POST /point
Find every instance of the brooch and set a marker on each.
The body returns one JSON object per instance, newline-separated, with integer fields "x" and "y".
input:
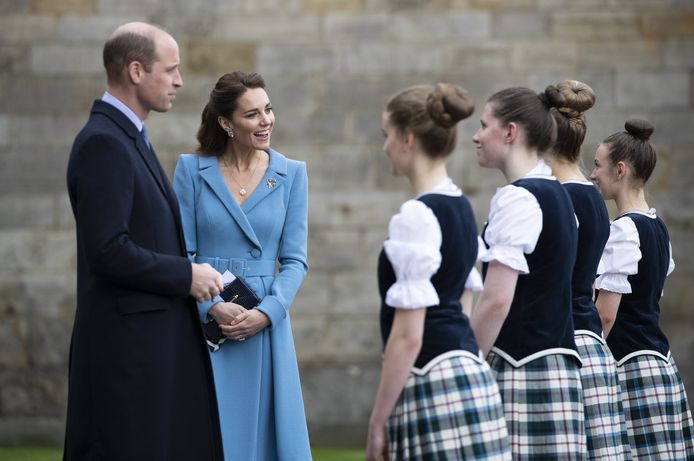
{"x": 272, "y": 182}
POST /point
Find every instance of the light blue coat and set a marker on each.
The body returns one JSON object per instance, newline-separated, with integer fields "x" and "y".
{"x": 264, "y": 241}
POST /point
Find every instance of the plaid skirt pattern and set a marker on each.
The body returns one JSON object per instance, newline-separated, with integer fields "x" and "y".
{"x": 606, "y": 430}
{"x": 453, "y": 412}
{"x": 659, "y": 421}
{"x": 543, "y": 404}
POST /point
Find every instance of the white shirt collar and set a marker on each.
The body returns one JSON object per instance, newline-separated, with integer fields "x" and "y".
{"x": 445, "y": 187}
{"x": 541, "y": 170}
{"x": 118, "y": 104}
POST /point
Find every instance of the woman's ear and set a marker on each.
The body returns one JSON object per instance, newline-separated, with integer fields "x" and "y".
{"x": 621, "y": 168}
{"x": 511, "y": 133}
{"x": 224, "y": 123}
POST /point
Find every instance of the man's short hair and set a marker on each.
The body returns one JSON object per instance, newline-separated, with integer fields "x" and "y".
{"x": 121, "y": 50}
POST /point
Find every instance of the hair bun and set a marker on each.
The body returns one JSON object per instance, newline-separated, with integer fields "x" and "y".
{"x": 640, "y": 129}
{"x": 578, "y": 98}
{"x": 448, "y": 104}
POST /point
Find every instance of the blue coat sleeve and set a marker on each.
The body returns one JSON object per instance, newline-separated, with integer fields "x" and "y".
{"x": 184, "y": 186}
{"x": 292, "y": 255}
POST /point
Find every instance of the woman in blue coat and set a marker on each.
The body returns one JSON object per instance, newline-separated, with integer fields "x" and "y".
{"x": 244, "y": 209}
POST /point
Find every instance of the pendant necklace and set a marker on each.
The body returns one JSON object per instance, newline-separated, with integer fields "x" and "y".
{"x": 242, "y": 188}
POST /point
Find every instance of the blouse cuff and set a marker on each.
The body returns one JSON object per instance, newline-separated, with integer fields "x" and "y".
{"x": 511, "y": 256}
{"x": 412, "y": 294}
{"x": 616, "y": 283}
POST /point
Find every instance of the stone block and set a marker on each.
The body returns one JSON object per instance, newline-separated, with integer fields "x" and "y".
{"x": 281, "y": 60}
{"x": 169, "y": 129}
{"x": 45, "y": 350}
{"x": 381, "y": 58}
{"x": 315, "y": 295}
{"x": 357, "y": 292}
{"x": 53, "y": 95}
{"x": 353, "y": 26}
{"x": 545, "y": 55}
{"x": 321, "y": 6}
{"x": 15, "y": 6}
{"x": 340, "y": 392}
{"x": 502, "y": 4}
{"x": 218, "y": 57}
{"x": 632, "y": 55}
{"x": 13, "y": 60}
{"x": 31, "y": 131}
{"x": 519, "y": 24}
{"x": 22, "y": 168}
{"x": 64, "y": 6}
{"x": 4, "y": 127}
{"x": 668, "y": 23}
{"x": 13, "y": 350}
{"x": 27, "y": 211}
{"x": 144, "y": 8}
{"x": 479, "y": 58}
{"x": 594, "y": 25}
{"x": 679, "y": 54}
{"x": 356, "y": 210}
{"x": 652, "y": 89}
{"x": 432, "y": 27}
{"x": 286, "y": 27}
{"x": 36, "y": 252}
{"x": 63, "y": 59}
{"x": 351, "y": 337}
{"x": 39, "y": 431}
{"x": 334, "y": 249}
{"x": 20, "y": 29}
{"x": 77, "y": 27}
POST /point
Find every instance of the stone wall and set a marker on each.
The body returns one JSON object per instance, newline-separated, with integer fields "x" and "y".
{"x": 330, "y": 65}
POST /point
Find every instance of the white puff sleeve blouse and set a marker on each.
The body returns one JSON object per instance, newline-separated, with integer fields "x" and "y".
{"x": 514, "y": 227}
{"x": 414, "y": 250}
{"x": 620, "y": 258}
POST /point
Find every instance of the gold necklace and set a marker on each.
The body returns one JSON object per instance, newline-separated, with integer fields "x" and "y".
{"x": 242, "y": 188}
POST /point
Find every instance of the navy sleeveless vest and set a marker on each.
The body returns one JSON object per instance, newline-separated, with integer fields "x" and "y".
{"x": 593, "y": 232}
{"x": 446, "y": 328}
{"x": 636, "y": 326}
{"x": 540, "y": 315}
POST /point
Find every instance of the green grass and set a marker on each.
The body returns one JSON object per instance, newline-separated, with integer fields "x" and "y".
{"x": 55, "y": 454}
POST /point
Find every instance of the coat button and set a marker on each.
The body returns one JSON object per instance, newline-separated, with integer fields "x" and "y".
{"x": 255, "y": 253}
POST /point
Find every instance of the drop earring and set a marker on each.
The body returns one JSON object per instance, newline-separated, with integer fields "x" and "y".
{"x": 230, "y": 132}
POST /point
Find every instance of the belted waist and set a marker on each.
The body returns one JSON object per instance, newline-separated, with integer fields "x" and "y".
{"x": 241, "y": 267}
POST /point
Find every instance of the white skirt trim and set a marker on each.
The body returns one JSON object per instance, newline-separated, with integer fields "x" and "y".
{"x": 591, "y": 334}
{"x": 628, "y": 357}
{"x": 536, "y": 355}
{"x": 446, "y": 355}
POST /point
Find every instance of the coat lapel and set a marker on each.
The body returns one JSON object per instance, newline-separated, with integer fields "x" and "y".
{"x": 274, "y": 179}
{"x": 212, "y": 175}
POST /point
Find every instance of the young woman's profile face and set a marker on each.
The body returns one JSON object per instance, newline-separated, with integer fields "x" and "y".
{"x": 603, "y": 174}
{"x": 393, "y": 146}
{"x": 489, "y": 139}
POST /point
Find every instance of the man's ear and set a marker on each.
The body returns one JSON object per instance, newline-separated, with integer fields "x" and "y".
{"x": 134, "y": 71}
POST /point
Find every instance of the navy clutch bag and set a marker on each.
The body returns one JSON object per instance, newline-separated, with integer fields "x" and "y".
{"x": 237, "y": 292}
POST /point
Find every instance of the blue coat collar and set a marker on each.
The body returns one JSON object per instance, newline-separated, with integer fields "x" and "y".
{"x": 274, "y": 179}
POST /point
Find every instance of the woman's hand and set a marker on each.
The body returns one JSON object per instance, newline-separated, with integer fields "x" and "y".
{"x": 377, "y": 444}
{"x": 225, "y": 313}
{"x": 245, "y": 324}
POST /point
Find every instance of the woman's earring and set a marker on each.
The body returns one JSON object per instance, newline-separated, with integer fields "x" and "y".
{"x": 230, "y": 132}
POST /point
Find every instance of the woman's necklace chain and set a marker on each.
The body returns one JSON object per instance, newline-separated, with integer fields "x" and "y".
{"x": 242, "y": 188}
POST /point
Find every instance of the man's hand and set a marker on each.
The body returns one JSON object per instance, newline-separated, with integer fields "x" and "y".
{"x": 207, "y": 282}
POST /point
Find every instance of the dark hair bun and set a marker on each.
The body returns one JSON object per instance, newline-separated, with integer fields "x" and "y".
{"x": 551, "y": 97}
{"x": 448, "y": 104}
{"x": 640, "y": 129}
{"x": 578, "y": 98}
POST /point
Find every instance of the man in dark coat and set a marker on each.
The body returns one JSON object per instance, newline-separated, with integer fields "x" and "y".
{"x": 140, "y": 380}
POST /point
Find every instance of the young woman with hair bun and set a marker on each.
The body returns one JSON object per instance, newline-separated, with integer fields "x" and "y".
{"x": 606, "y": 433}
{"x": 436, "y": 398}
{"x": 633, "y": 268}
{"x": 522, "y": 318}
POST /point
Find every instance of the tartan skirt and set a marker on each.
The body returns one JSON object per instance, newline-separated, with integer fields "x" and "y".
{"x": 451, "y": 412}
{"x": 606, "y": 430}
{"x": 659, "y": 421}
{"x": 543, "y": 404}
